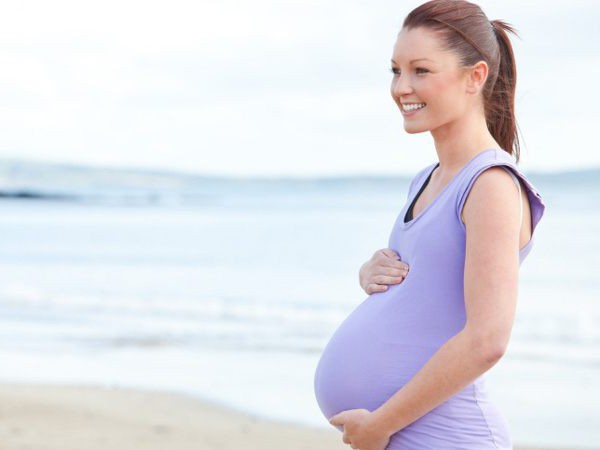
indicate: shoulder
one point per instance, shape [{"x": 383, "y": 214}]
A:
[
  {"x": 491, "y": 179},
  {"x": 492, "y": 198}
]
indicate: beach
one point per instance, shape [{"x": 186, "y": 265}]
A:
[
  {"x": 85, "y": 418},
  {"x": 51, "y": 417},
  {"x": 211, "y": 298}
]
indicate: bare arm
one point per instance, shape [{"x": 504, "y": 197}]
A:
[{"x": 491, "y": 215}]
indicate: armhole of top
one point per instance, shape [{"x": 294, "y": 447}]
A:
[
  {"x": 536, "y": 202},
  {"x": 516, "y": 180}
]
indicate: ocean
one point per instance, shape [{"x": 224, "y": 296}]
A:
[{"x": 229, "y": 288}]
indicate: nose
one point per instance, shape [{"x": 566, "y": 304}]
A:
[{"x": 401, "y": 86}]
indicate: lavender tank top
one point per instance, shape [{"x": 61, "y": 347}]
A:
[{"x": 388, "y": 337}]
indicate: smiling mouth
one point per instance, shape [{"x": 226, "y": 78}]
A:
[{"x": 407, "y": 107}]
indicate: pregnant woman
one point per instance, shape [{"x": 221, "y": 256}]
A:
[{"x": 404, "y": 371}]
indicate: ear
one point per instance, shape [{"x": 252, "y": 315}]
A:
[{"x": 476, "y": 77}]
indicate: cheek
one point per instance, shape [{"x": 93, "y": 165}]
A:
[
  {"x": 437, "y": 89},
  {"x": 393, "y": 92},
  {"x": 449, "y": 89},
  {"x": 444, "y": 98}
]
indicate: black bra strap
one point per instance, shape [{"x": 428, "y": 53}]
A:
[{"x": 409, "y": 213}]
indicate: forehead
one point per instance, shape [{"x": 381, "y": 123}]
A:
[{"x": 418, "y": 43}]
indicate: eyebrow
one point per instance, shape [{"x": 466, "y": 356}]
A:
[{"x": 415, "y": 60}]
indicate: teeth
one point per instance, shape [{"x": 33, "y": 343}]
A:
[{"x": 413, "y": 106}]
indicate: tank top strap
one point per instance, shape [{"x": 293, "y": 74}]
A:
[{"x": 497, "y": 157}]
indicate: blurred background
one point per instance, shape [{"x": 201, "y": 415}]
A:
[{"x": 188, "y": 189}]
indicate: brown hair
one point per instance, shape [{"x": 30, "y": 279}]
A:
[{"x": 466, "y": 30}]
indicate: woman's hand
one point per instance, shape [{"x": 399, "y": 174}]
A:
[
  {"x": 382, "y": 269},
  {"x": 361, "y": 431}
]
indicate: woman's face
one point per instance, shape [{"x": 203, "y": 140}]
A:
[{"x": 425, "y": 74}]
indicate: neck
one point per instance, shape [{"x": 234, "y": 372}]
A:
[{"x": 459, "y": 141}]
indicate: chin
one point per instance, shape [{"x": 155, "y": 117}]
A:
[{"x": 412, "y": 129}]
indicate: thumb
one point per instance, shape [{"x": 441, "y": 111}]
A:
[{"x": 335, "y": 419}]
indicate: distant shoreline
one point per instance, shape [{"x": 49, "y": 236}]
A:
[
  {"x": 14, "y": 169},
  {"x": 33, "y": 195}
]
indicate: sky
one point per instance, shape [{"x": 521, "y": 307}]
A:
[{"x": 268, "y": 87}]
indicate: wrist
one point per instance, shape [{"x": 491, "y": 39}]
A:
[{"x": 382, "y": 423}]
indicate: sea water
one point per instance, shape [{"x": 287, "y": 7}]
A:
[{"x": 229, "y": 289}]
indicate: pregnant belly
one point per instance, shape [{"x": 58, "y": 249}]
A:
[
  {"x": 380, "y": 346},
  {"x": 365, "y": 362}
]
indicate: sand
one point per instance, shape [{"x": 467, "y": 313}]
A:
[{"x": 85, "y": 418}]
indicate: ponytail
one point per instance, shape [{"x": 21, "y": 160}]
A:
[{"x": 500, "y": 105}]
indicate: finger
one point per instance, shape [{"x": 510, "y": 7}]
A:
[
  {"x": 386, "y": 272},
  {"x": 373, "y": 288},
  {"x": 393, "y": 262},
  {"x": 337, "y": 419},
  {"x": 385, "y": 255},
  {"x": 393, "y": 272},
  {"x": 385, "y": 280},
  {"x": 390, "y": 253}
]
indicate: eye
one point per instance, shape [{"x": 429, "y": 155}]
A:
[{"x": 418, "y": 70}]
